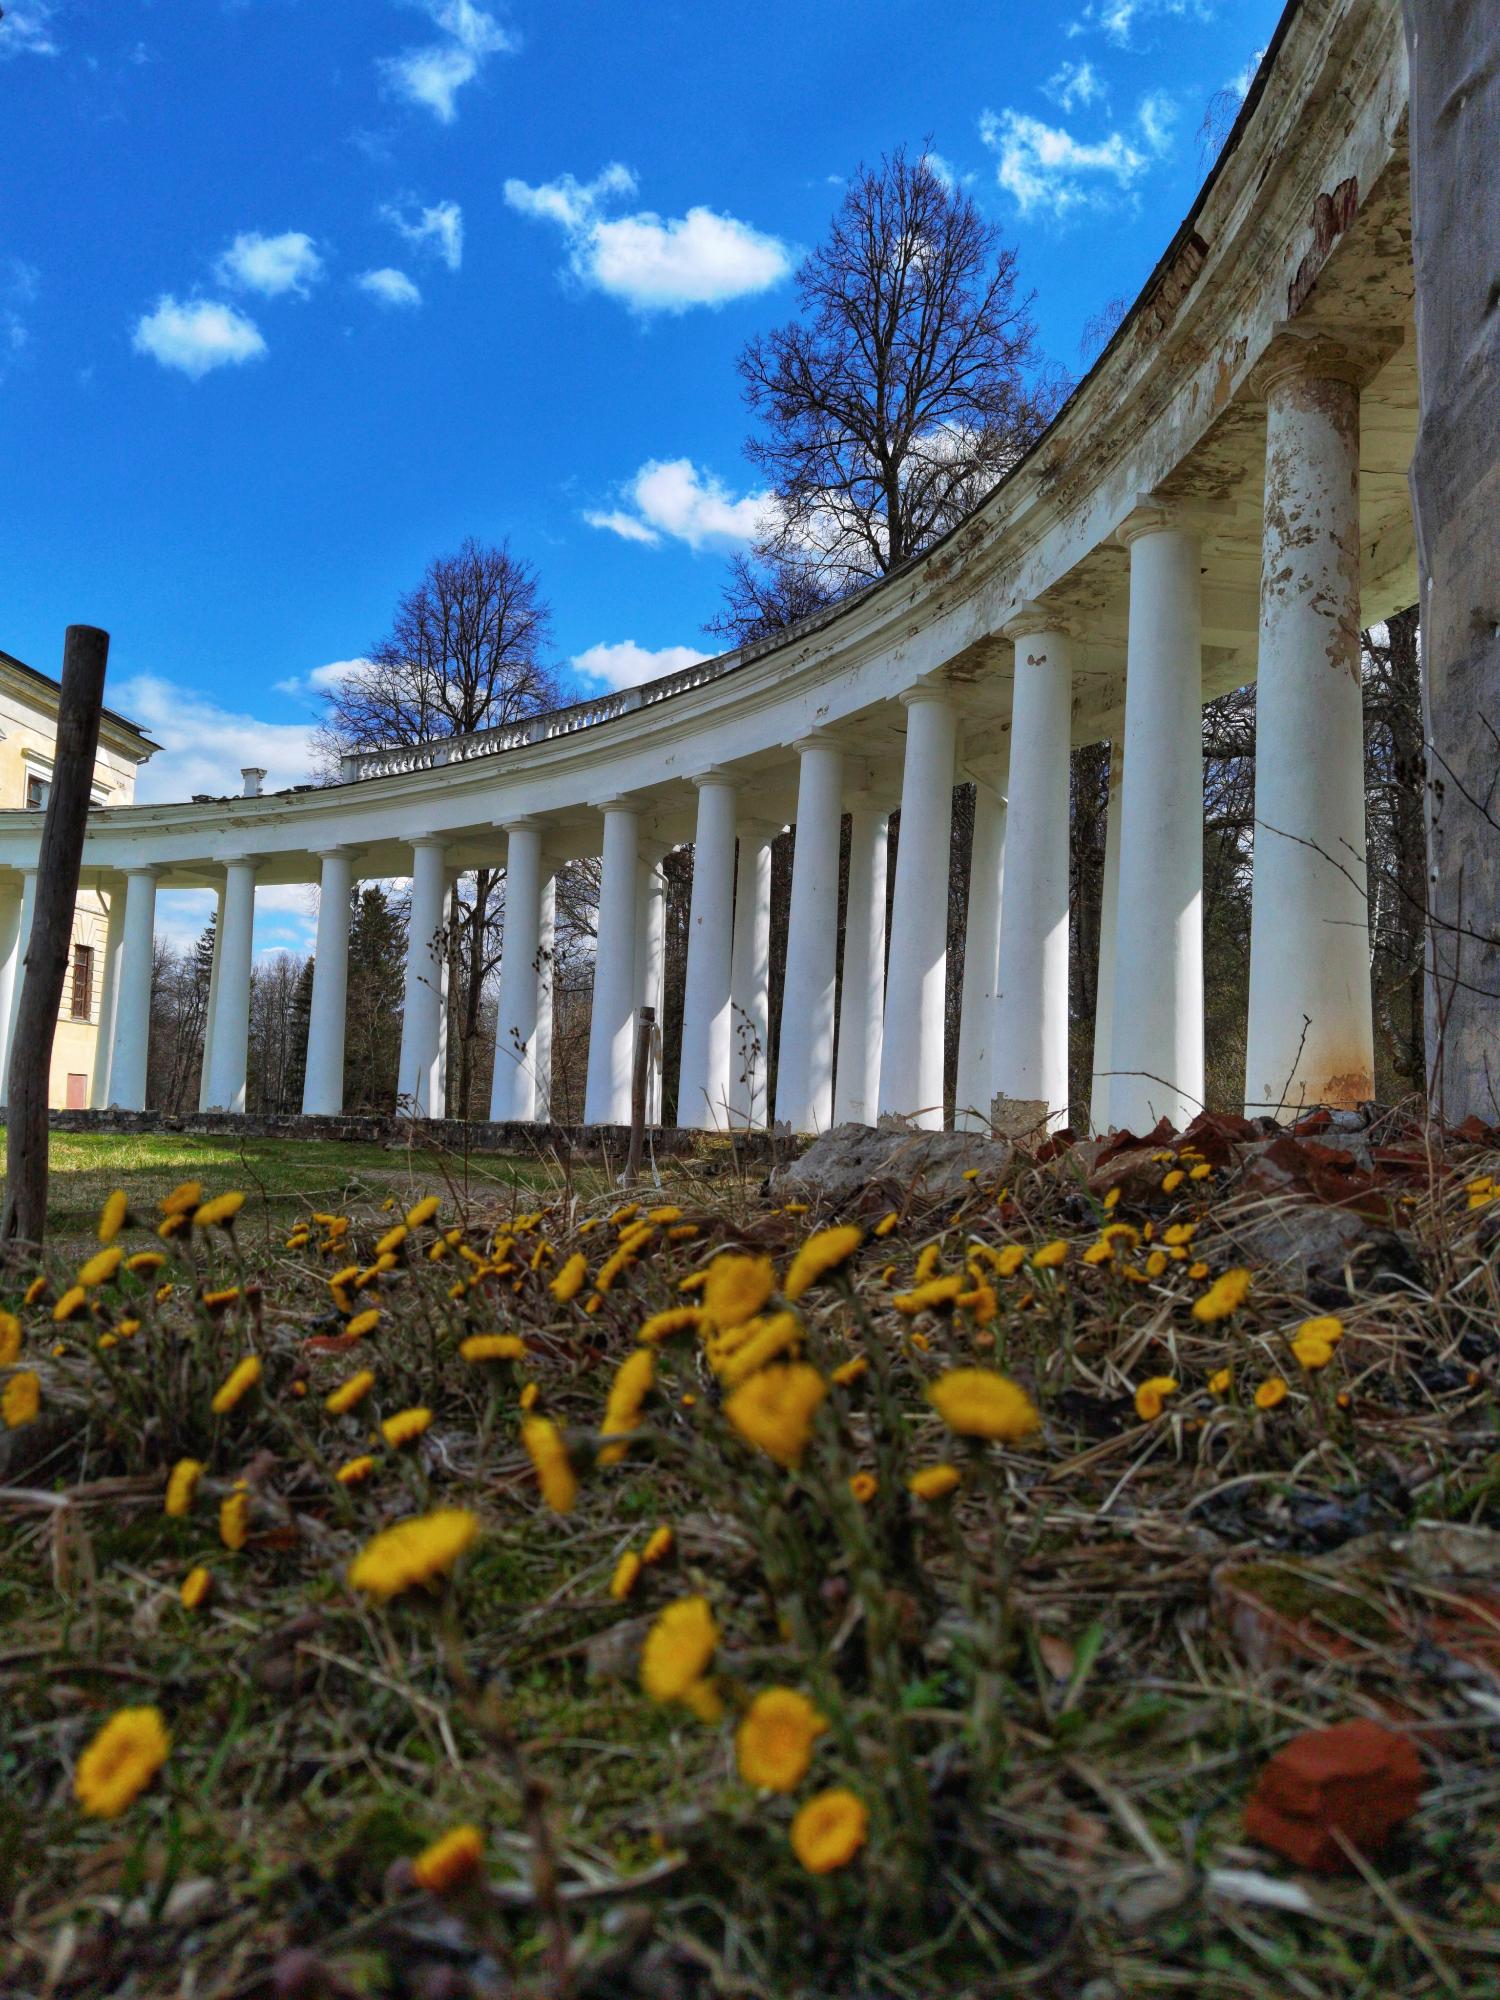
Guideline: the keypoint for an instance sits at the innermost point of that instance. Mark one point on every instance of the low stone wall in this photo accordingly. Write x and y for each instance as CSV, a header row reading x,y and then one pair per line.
x,y
449,1135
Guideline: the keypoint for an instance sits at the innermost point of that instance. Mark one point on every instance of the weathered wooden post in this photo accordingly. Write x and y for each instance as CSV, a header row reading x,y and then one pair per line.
x,y
1454,47
85,651
639,1078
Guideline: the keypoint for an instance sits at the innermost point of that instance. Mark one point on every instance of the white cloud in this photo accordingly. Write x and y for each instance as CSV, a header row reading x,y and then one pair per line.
x,y
336,672
26,29
18,290
433,74
391,287
1074,84
197,335
1241,81
1051,172
440,228
1116,18
1156,114
940,169
671,497
653,264
271,264
204,745
626,664
285,917
297,687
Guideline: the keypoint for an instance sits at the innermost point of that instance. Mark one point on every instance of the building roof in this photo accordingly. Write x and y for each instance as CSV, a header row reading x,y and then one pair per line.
x,y
122,722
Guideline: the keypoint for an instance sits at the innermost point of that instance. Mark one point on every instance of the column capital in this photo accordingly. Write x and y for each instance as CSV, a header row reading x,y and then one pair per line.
x,y
438,840
816,739
1342,354
715,774
338,852
862,800
1171,515
926,690
1031,617
621,802
758,830
154,869
527,823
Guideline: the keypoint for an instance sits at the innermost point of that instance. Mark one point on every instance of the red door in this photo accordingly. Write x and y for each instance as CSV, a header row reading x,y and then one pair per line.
x,y
78,1091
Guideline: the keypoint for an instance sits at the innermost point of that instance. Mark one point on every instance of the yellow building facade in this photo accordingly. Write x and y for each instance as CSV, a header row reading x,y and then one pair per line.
x,y
28,745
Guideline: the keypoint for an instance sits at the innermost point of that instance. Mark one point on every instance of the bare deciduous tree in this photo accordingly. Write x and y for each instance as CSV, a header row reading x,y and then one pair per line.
x,y
894,401
465,652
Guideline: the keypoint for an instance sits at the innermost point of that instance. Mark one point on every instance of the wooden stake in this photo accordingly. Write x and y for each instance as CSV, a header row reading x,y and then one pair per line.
x,y
640,1075
45,965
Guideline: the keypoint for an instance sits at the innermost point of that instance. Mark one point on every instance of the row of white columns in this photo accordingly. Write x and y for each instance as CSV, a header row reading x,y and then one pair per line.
x,y
1310,1035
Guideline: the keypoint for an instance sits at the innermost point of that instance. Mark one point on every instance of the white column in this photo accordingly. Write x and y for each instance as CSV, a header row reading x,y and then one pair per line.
x,y
1109,907
804,1066
11,949
109,993
1156,1035
18,980
234,952
127,1063
513,1092
911,1065
707,1025
323,1083
1029,1062
439,1105
421,1037
211,1009
1310,1035
651,961
976,1021
546,986
612,1023
856,1091
750,975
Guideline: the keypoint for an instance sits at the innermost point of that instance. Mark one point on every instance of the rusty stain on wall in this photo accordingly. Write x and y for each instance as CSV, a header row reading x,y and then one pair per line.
x,y
1331,216
1158,312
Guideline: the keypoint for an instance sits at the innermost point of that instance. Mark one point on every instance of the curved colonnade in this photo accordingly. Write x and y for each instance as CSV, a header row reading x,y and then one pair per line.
x,y
1222,499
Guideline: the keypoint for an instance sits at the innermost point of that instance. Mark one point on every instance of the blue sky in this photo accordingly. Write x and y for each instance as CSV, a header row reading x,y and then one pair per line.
x,y
294,294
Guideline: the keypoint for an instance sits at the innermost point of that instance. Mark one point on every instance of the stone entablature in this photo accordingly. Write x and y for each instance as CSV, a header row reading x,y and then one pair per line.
x,y
1105,589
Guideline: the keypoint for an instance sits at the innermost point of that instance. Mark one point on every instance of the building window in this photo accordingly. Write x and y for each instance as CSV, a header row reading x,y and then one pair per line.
x,y
83,982
38,789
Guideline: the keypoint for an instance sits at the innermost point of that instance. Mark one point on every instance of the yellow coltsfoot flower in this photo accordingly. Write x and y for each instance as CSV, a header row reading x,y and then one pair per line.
x,y
775,1741
413,1553
451,1862
977,1402
121,1761
830,1830
775,1409
544,1445
678,1649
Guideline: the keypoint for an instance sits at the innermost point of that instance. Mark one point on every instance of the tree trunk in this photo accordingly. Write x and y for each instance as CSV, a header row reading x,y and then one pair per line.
x,y
1454,49
85,651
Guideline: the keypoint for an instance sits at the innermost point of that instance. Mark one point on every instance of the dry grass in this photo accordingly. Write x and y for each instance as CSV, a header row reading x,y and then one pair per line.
x,y
1054,1696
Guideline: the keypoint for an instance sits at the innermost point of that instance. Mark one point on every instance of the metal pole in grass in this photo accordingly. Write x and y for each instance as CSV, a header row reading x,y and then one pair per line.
x,y
638,1080
45,966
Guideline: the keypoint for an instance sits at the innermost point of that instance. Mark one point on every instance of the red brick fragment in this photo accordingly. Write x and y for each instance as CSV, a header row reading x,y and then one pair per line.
x,y
1357,1777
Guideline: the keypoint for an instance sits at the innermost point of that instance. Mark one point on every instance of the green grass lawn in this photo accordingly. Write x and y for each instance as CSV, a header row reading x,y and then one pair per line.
x,y
280,1176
